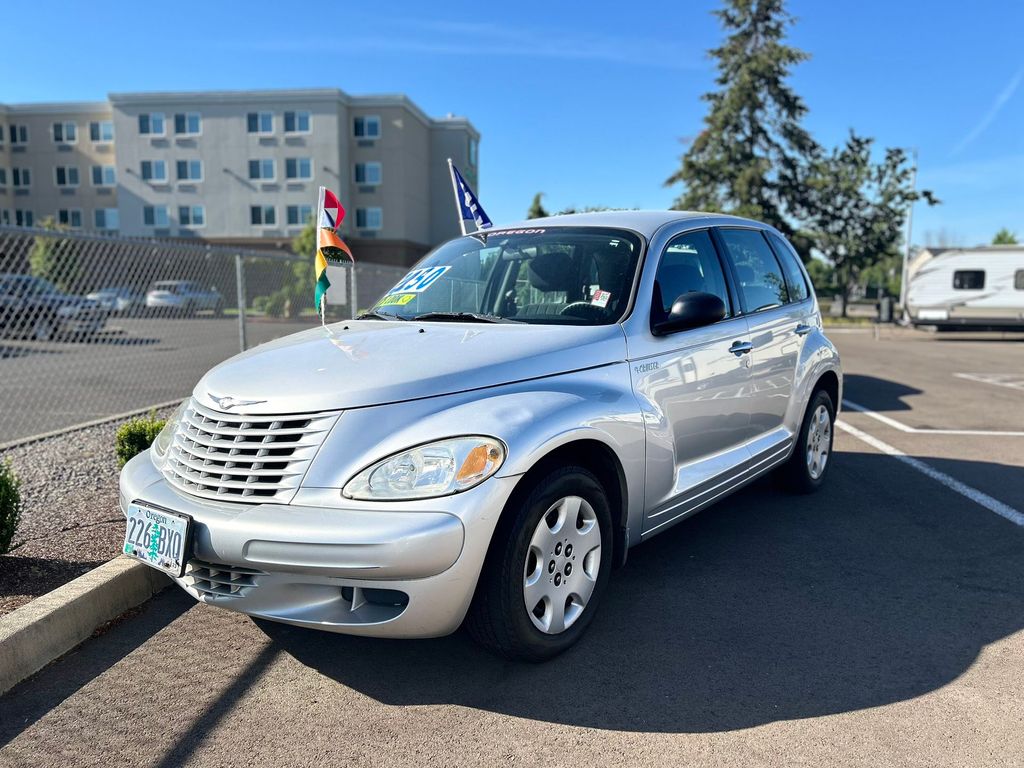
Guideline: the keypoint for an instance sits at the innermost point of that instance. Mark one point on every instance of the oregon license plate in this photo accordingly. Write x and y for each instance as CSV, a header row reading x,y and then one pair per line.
x,y
157,537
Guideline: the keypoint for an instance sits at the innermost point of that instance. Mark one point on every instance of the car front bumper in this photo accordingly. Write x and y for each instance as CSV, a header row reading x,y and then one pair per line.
x,y
402,569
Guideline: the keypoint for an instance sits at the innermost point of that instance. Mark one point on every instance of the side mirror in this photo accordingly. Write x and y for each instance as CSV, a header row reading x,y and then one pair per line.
x,y
691,310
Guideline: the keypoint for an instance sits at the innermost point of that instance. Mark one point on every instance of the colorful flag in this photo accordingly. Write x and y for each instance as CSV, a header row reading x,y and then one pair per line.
x,y
468,205
329,246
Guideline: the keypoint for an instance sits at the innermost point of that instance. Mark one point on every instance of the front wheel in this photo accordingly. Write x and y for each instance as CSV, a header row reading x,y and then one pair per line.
x,y
547,568
807,467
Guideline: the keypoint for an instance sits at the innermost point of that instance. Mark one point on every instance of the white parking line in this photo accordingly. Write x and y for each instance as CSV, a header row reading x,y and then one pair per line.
x,y
978,497
924,431
1008,380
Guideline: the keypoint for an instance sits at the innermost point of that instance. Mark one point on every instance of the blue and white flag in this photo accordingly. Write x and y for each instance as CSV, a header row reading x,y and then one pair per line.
x,y
469,207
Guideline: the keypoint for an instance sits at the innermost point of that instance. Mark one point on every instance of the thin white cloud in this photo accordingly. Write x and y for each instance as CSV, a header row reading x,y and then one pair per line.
x,y
481,40
997,106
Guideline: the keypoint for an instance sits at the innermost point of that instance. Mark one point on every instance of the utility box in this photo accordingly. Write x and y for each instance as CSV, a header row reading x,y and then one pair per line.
x,y
838,302
885,309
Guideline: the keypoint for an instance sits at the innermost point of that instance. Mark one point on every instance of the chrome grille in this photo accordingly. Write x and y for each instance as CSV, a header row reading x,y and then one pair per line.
x,y
214,580
249,459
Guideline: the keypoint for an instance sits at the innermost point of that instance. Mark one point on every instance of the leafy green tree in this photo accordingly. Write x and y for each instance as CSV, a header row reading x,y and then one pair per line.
x,y
537,210
54,259
822,275
751,157
856,209
1004,237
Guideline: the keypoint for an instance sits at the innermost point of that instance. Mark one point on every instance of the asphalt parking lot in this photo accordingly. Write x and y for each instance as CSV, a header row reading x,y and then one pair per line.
x,y
134,363
880,622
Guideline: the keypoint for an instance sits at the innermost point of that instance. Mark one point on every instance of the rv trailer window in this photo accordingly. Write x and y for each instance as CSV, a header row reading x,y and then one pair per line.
x,y
969,279
1018,279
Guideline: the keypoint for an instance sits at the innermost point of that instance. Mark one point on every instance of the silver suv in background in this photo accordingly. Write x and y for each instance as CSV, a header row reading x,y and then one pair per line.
x,y
184,297
488,441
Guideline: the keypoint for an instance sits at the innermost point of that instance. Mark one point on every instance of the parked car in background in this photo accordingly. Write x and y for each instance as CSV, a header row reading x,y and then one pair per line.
x,y
487,443
33,307
184,297
122,300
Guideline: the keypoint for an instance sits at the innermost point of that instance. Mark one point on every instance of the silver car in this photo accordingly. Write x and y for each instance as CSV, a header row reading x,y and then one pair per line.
x,y
489,441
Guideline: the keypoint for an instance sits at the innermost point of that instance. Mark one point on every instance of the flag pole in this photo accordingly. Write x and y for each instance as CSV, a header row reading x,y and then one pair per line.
x,y
455,192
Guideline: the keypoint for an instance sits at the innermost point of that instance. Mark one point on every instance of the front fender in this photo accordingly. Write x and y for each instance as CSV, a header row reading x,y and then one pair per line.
x,y
532,418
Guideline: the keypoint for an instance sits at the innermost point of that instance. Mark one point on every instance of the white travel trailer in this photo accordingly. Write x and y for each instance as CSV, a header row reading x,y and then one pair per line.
x,y
967,287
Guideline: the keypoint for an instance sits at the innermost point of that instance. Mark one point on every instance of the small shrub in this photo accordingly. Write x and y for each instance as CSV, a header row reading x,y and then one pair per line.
x,y
10,506
137,435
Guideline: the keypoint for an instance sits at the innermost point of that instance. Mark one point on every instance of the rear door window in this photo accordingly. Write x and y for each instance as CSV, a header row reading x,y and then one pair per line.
x,y
796,284
689,263
969,279
761,284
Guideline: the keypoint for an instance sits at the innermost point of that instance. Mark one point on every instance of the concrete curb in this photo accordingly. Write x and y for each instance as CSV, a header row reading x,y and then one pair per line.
x,y
51,625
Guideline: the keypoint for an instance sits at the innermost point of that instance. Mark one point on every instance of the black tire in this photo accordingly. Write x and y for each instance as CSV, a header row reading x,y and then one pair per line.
x,y
797,473
498,618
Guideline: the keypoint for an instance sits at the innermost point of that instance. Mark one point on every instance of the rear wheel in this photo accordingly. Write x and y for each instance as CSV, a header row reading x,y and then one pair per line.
x,y
43,328
808,466
547,568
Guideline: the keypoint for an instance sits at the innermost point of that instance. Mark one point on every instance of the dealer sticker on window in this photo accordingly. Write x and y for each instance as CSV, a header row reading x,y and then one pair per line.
x,y
601,298
419,280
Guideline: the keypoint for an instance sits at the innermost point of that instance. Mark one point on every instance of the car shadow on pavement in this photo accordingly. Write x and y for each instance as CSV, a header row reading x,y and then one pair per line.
x,y
769,607
877,394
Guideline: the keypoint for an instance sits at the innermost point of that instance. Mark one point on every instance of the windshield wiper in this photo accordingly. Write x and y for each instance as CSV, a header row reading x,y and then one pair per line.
x,y
379,316
465,317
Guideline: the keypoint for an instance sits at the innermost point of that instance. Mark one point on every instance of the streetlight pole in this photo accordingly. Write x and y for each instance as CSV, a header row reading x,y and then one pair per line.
x,y
906,250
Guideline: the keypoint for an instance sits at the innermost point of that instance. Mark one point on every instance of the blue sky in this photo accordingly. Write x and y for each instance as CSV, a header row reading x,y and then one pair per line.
x,y
588,103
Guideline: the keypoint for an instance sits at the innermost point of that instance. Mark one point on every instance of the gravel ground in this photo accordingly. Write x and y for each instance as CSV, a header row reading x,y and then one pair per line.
x,y
70,520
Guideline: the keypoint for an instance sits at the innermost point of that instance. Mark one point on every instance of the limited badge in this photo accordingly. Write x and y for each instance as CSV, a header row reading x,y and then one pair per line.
x,y
600,298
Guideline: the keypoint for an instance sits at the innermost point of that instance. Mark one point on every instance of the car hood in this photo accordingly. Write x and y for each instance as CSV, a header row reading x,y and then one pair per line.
x,y
367,362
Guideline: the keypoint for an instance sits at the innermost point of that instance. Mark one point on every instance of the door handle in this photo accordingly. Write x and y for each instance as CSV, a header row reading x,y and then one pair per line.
x,y
803,329
741,347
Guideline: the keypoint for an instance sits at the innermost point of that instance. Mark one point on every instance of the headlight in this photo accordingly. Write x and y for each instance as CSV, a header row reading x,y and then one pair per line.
x,y
436,469
163,441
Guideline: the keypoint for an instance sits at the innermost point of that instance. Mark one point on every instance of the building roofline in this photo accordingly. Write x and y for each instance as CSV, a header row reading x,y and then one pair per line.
x,y
282,94
55,107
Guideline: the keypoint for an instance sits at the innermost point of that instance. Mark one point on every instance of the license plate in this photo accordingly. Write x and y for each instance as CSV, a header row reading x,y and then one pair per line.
x,y
157,537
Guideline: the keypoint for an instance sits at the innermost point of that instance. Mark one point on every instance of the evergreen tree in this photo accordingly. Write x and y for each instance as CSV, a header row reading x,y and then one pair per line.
x,y
537,210
1004,237
750,158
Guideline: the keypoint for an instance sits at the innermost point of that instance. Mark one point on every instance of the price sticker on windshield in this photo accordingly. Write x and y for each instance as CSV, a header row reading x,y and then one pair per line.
x,y
419,280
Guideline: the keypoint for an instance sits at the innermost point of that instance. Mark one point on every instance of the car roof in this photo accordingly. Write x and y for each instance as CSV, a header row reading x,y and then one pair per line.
x,y
644,222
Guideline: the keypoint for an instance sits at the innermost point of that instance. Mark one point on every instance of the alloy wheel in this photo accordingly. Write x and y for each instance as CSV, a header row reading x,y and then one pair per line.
x,y
819,442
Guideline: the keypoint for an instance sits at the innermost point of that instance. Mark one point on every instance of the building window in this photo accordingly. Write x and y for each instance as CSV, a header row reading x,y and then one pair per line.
x,y
154,170
151,123
969,279
104,176
21,178
106,218
263,215
155,216
369,218
298,215
67,176
5,215
23,218
191,215
18,134
189,170
262,170
368,173
65,133
3,177
474,147
101,131
297,122
366,127
70,217
260,122
188,124
298,168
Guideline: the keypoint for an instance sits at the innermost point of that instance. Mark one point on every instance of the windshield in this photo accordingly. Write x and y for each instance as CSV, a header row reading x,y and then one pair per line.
x,y
554,275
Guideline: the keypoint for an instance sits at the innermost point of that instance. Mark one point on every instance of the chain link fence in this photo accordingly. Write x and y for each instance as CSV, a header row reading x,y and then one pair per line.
x,y
94,326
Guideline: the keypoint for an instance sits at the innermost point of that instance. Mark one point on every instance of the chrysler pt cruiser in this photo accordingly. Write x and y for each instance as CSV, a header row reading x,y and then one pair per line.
x,y
486,444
